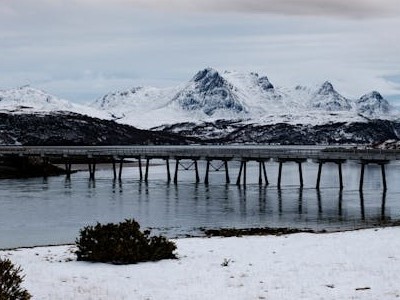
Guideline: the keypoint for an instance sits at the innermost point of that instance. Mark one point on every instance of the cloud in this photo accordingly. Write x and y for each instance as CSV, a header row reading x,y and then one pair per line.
x,y
336,8
52,43
352,9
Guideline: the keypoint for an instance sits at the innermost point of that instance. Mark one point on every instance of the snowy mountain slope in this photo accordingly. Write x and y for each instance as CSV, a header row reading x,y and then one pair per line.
x,y
29,100
209,92
211,95
247,98
373,105
26,98
137,100
327,98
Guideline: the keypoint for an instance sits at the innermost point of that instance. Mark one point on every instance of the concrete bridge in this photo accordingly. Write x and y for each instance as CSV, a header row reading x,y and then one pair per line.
x,y
117,155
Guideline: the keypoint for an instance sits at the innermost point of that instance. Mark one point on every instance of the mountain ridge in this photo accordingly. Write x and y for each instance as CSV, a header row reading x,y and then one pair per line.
x,y
212,95
220,107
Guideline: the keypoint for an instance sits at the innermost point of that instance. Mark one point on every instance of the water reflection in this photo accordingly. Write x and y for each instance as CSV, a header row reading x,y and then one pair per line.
x,y
37,211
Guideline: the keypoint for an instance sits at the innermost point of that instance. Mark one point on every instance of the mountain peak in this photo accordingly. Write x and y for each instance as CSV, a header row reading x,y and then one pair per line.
x,y
326,88
205,73
327,98
209,92
207,79
375,95
373,104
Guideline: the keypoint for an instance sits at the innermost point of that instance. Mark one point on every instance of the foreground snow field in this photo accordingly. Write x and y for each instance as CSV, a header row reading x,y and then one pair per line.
x,y
348,265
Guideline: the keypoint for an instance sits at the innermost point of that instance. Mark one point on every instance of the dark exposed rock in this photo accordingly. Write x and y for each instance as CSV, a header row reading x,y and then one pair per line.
x,y
265,84
223,132
25,167
238,232
69,129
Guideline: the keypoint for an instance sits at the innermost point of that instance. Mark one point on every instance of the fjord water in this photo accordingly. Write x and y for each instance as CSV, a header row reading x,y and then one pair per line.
x,y
40,211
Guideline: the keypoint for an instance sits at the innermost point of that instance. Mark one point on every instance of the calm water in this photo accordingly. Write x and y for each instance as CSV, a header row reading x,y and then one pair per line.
x,y
51,211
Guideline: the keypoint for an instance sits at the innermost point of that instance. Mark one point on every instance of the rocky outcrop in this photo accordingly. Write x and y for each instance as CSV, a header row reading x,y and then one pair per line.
x,y
74,129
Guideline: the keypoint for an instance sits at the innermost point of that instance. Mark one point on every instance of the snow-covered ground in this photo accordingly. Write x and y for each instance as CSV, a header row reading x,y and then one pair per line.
x,y
348,265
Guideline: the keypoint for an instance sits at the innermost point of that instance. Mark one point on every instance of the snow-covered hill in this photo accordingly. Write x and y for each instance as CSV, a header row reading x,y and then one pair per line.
x,y
211,95
30,100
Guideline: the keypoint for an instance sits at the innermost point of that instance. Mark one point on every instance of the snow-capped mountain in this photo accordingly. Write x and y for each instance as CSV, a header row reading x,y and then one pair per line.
x,y
135,102
209,92
220,107
27,98
212,95
209,96
373,105
327,98
30,100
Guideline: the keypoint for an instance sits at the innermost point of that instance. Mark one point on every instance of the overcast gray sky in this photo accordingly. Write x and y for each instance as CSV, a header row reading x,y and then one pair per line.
x,y
82,49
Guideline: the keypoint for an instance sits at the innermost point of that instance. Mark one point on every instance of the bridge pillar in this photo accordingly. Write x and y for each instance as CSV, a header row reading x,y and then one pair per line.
x,y
68,167
362,176
300,173
206,180
262,172
265,173
92,169
176,170
121,165
242,173
224,164
114,169
382,163
319,174
245,173
146,174
340,175
227,179
383,176
168,170
140,168
280,174
45,165
339,163
196,169
299,162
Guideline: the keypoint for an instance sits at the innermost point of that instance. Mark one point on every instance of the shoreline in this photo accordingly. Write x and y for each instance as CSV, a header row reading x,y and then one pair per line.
x,y
360,264
238,232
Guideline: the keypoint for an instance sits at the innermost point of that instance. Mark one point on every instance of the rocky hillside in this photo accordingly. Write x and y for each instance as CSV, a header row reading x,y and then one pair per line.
x,y
75,129
227,132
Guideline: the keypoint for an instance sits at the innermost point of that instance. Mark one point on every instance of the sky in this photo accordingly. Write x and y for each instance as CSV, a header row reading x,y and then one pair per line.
x,y
82,49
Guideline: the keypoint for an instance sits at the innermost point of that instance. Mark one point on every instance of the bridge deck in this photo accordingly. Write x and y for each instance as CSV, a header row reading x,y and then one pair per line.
x,y
261,154
204,152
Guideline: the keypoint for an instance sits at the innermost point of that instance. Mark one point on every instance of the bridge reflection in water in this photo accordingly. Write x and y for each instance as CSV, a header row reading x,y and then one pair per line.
x,y
47,211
